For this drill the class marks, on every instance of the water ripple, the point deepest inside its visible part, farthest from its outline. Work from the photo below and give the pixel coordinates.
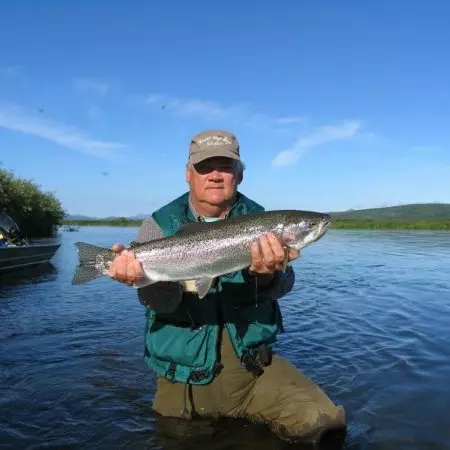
(368, 319)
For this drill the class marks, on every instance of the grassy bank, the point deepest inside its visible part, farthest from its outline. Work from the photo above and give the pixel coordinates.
(120, 222)
(437, 224)
(370, 224)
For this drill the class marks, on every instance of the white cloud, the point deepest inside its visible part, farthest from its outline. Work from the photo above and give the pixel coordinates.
(323, 135)
(190, 107)
(286, 158)
(241, 114)
(290, 120)
(17, 119)
(90, 85)
(187, 108)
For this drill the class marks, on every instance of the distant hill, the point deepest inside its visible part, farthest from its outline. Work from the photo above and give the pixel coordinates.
(78, 217)
(140, 216)
(416, 211)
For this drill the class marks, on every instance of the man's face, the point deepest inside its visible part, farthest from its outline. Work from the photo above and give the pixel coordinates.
(213, 180)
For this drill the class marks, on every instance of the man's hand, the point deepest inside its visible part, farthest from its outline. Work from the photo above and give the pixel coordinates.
(125, 267)
(268, 255)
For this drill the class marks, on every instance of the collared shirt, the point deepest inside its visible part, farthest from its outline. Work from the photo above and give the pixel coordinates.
(200, 218)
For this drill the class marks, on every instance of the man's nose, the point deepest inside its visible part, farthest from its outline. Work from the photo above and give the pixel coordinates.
(215, 174)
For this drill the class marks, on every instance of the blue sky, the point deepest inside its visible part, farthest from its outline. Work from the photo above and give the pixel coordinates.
(336, 105)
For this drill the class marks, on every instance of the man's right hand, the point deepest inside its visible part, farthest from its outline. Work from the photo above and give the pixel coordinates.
(125, 267)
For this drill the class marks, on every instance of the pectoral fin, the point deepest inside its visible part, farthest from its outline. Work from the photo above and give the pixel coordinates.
(203, 285)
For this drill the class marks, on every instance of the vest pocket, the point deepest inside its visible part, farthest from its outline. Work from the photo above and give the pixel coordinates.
(183, 346)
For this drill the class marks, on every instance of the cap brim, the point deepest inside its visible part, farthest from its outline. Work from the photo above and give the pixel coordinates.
(222, 152)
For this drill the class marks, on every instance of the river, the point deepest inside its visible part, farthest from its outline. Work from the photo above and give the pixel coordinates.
(368, 319)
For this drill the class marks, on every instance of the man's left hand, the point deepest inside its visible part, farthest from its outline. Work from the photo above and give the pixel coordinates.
(268, 255)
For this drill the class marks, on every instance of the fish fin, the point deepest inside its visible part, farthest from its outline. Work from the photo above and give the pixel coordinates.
(93, 262)
(84, 274)
(88, 253)
(203, 285)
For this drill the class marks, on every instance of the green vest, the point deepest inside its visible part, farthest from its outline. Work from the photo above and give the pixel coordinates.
(182, 345)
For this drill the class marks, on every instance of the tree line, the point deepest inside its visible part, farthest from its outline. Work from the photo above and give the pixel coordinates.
(118, 222)
(35, 211)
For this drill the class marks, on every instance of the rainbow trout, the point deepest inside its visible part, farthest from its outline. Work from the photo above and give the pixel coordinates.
(203, 251)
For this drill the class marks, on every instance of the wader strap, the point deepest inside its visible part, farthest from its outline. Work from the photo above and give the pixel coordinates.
(170, 374)
(191, 400)
(188, 388)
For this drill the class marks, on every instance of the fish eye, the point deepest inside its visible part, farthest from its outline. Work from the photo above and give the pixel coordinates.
(313, 224)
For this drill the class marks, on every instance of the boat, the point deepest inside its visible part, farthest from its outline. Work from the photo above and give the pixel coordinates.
(16, 252)
(71, 228)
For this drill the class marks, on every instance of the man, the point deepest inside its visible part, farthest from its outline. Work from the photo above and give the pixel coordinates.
(213, 357)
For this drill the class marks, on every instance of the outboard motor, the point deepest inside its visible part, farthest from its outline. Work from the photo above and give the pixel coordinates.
(10, 232)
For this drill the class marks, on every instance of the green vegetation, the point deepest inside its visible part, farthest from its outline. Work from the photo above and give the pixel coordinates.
(419, 216)
(36, 212)
(438, 224)
(116, 222)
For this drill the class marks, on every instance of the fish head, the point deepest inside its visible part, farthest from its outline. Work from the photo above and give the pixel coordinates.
(301, 228)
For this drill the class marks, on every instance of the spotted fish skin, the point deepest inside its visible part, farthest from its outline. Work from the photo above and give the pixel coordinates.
(204, 251)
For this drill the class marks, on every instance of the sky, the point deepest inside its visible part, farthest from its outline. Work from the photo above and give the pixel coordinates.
(336, 105)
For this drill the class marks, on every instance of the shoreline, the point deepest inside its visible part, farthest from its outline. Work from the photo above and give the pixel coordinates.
(368, 224)
(339, 224)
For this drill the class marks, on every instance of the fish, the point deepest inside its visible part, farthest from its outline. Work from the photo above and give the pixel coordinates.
(200, 252)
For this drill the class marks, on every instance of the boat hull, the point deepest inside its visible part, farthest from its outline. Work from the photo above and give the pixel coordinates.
(14, 258)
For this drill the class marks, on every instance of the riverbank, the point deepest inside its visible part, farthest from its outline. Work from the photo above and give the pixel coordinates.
(104, 223)
(437, 224)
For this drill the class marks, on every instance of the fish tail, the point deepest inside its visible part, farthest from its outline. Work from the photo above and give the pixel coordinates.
(93, 262)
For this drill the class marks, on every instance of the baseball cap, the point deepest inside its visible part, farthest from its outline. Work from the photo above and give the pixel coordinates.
(211, 143)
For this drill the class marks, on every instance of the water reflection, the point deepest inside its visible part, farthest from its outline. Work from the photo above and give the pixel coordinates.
(42, 273)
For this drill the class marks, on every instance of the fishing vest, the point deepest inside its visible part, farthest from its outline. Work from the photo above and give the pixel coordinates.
(182, 345)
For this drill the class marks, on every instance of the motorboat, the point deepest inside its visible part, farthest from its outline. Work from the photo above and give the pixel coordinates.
(71, 228)
(17, 252)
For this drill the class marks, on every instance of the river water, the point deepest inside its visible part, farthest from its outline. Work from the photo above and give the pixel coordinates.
(368, 319)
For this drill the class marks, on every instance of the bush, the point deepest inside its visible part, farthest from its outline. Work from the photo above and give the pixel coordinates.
(36, 212)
